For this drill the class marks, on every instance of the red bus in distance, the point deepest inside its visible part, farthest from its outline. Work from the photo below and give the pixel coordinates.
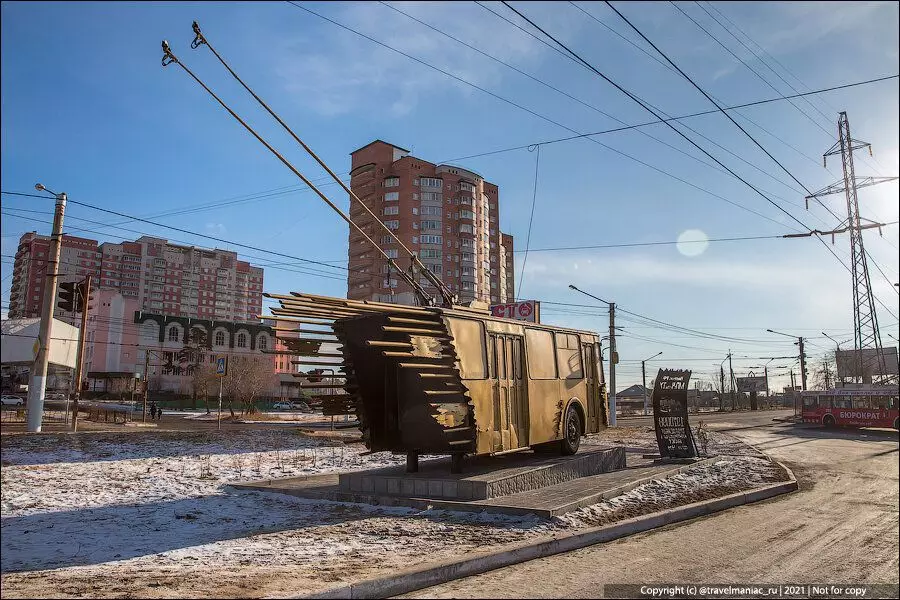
(873, 407)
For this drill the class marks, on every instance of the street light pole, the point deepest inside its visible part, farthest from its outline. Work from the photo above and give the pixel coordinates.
(37, 384)
(613, 357)
(644, 376)
(799, 343)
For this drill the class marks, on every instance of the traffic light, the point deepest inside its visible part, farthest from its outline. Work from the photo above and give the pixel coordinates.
(82, 300)
(68, 296)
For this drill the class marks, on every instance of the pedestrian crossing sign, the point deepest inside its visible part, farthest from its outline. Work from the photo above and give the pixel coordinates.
(221, 366)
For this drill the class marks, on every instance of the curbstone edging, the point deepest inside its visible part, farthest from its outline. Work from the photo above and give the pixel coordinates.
(448, 570)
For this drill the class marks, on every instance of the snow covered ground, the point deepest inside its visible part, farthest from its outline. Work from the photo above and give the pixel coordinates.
(145, 513)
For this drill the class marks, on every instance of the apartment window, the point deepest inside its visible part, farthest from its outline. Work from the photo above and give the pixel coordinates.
(391, 182)
(432, 197)
(391, 196)
(173, 334)
(436, 269)
(392, 224)
(431, 239)
(415, 210)
(220, 338)
(391, 253)
(263, 343)
(465, 228)
(466, 214)
(466, 187)
(432, 182)
(431, 253)
(390, 210)
(386, 239)
(241, 340)
(431, 225)
(415, 239)
(431, 210)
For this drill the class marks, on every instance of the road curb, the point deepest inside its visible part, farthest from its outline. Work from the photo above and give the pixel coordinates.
(441, 572)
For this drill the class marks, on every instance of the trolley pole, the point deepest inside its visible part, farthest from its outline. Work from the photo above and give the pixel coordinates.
(79, 359)
(37, 384)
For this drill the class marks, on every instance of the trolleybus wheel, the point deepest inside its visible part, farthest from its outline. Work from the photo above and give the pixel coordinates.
(572, 432)
(828, 421)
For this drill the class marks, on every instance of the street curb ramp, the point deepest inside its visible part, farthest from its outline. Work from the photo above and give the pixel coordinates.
(428, 575)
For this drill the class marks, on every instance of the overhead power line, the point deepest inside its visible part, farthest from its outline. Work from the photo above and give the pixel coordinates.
(539, 115)
(202, 235)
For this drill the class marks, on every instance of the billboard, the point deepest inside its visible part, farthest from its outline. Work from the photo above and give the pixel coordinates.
(751, 384)
(526, 310)
(865, 363)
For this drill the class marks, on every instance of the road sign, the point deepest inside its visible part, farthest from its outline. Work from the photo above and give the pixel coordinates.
(526, 310)
(221, 366)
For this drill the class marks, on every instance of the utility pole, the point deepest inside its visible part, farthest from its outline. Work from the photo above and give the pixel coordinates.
(644, 374)
(827, 374)
(146, 383)
(802, 364)
(722, 380)
(613, 355)
(37, 384)
(79, 359)
(613, 359)
(733, 384)
(866, 335)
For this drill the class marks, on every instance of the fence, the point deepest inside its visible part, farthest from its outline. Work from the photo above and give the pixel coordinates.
(20, 415)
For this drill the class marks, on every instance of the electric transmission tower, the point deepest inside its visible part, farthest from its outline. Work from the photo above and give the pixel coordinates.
(866, 335)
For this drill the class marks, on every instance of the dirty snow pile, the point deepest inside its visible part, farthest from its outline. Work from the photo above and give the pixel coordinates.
(139, 501)
(707, 480)
(643, 438)
(109, 514)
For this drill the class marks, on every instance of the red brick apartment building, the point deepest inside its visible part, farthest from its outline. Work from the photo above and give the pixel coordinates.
(448, 215)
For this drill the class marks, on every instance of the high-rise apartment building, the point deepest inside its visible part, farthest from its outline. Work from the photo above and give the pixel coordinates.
(164, 278)
(78, 258)
(447, 215)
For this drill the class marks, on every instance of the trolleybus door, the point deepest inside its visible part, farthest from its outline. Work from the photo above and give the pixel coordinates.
(592, 383)
(510, 395)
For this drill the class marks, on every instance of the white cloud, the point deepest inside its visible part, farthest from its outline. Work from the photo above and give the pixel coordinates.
(349, 73)
(217, 229)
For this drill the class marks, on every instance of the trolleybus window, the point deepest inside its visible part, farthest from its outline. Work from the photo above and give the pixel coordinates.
(539, 349)
(469, 337)
(810, 401)
(568, 354)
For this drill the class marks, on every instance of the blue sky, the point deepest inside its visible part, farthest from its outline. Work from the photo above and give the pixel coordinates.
(87, 109)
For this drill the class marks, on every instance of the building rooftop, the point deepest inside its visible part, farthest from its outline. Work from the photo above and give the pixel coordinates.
(382, 142)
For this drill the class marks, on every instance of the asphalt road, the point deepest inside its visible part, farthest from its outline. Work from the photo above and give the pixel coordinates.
(841, 527)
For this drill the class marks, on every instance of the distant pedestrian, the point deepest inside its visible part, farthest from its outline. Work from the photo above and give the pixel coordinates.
(152, 410)
(159, 413)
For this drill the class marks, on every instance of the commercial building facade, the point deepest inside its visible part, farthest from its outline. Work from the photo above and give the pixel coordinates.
(447, 215)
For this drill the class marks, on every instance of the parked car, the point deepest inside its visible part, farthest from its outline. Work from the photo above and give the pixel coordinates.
(298, 406)
(56, 396)
(12, 401)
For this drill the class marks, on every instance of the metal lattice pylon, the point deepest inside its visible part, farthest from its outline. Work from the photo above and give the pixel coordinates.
(866, 335)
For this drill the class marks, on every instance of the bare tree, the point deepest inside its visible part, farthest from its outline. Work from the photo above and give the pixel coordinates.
(248, 379)
(824, 373)
(204, 382)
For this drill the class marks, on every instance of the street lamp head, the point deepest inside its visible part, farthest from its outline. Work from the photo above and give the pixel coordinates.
(770, 331)
(572, 287)
(39, 187)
